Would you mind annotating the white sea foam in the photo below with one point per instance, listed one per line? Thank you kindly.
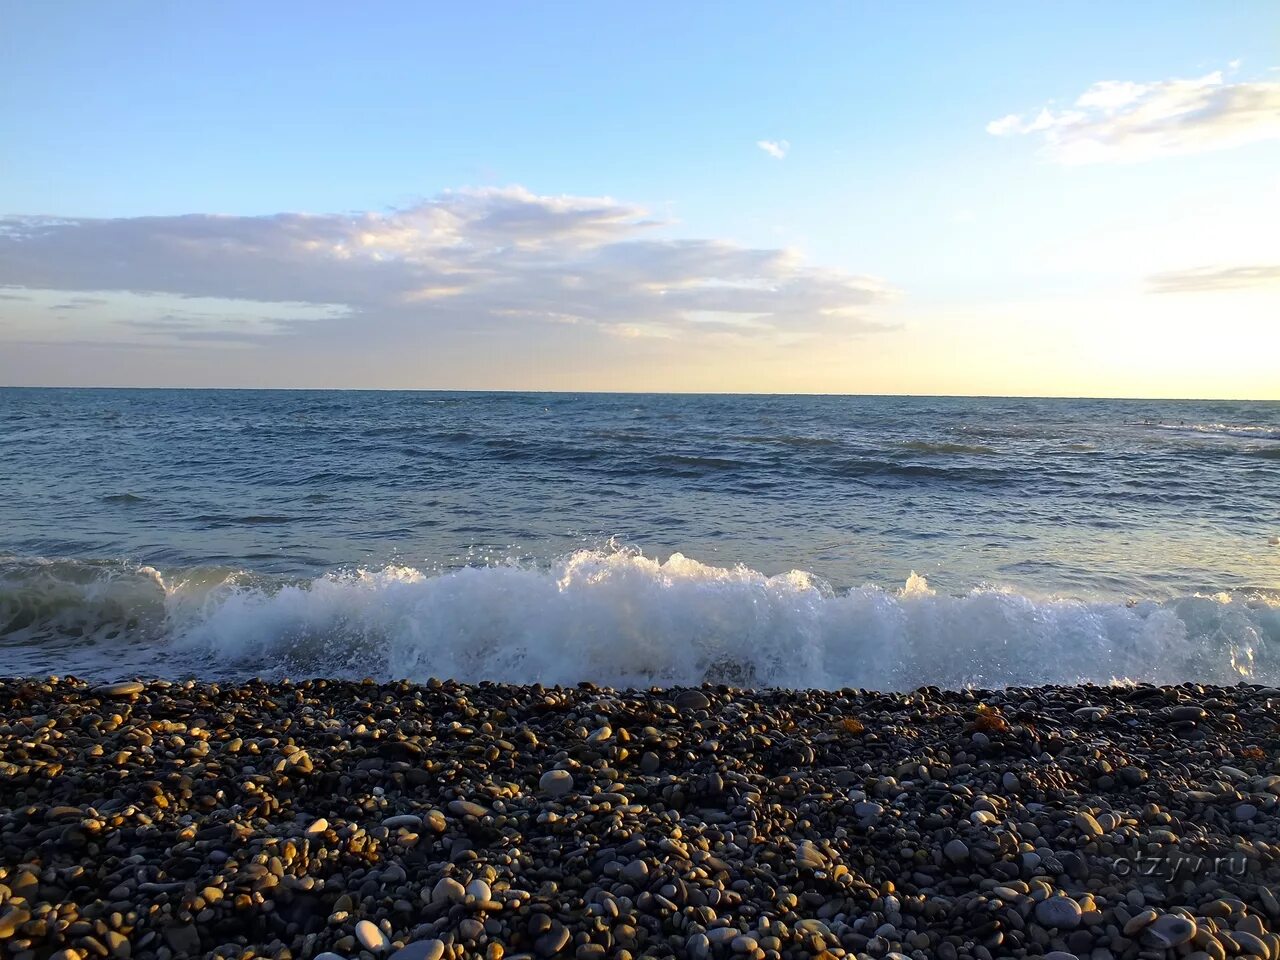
(1243, 430)
(617, 618)
(627, 620)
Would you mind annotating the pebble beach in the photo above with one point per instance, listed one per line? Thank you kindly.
(343, 819)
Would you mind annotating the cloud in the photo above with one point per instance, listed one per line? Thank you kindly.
(477, 264)
(777, 149)
(1124, 121)
(80, 303)
(1211, 279)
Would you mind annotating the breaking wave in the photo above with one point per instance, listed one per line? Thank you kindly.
(1246, 431)
(612, 617)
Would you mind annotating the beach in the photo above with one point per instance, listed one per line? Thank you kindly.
(592, 481)
(360, 819)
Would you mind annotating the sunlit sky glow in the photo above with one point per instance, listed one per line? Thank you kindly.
(1045, 199)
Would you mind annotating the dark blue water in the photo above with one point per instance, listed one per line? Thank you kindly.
(231, 497)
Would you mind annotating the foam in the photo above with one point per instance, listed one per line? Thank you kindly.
(622, 619)
(1242, 430)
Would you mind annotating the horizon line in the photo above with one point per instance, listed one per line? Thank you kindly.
(646, 393)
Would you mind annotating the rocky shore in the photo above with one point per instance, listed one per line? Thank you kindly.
(322, 819)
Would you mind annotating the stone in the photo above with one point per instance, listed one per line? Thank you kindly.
(635, 872)
(868, 810)
(448, 890)
(117, 944)
(1060, 912)
(11, 919)
(408, 821)
(692, 700)
(556, 783)
(185, 822)
(371, 937)
(956, 850)
(183, 938)
(1139, 922)
(1249, 944)
(809, 856)
(1087, 824)
(552, 942)
(125, 688)
(1168, 931)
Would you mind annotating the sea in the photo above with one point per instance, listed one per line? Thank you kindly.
(638, 540)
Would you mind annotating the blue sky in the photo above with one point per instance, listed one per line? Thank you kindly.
(975, 242)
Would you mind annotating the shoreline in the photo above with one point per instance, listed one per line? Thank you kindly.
(173, 819)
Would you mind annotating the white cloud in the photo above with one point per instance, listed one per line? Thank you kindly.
(777, 149)
(467, 264)
(1126, 121)
(1012, 123)
(1214, 279)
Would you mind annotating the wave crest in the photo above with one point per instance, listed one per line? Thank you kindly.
(622, 619)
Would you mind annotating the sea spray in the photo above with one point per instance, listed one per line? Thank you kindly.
(620, 618)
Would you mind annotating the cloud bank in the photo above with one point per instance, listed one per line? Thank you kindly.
(1213, 279)
(1123, 121)
(476, 257)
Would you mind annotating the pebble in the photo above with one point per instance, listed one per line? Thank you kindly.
(466, 808)
(448, 890)
(335, 819)
(1169, 931)
(408, 821)
(692, 700)
(636, 872)
(1061, 912)
(1087, 824)
(556, 783)
(552, 942)
(371, 937)
(125, 688)
(957, 851)
(809, 856)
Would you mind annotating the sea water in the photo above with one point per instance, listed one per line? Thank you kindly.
(885, 542)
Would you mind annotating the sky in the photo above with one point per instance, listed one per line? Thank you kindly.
(929, 198)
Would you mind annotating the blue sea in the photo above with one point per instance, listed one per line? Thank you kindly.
(638, 540)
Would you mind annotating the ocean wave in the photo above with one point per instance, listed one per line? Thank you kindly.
(616, 618)
(788, 440)
(943, 448)
(1246, 431)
